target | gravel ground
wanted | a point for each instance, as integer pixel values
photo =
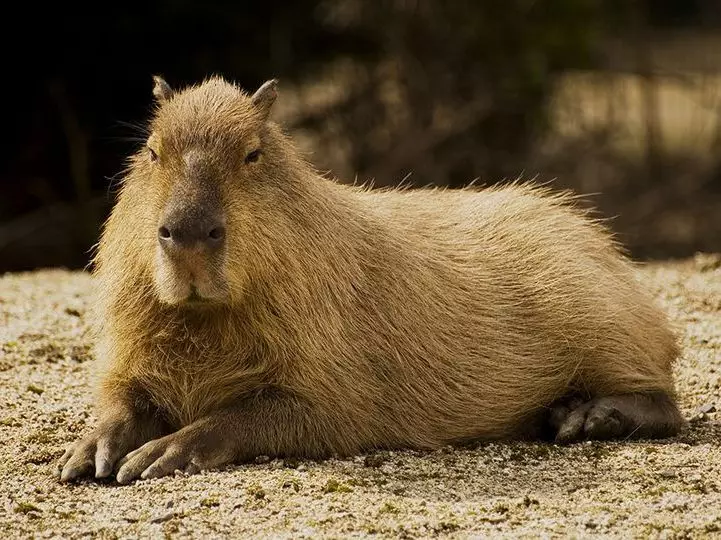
(665, 489)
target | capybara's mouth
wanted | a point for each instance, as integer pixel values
(195, 297)
(189, 281)
(201, 295)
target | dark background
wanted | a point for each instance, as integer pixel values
(619, 98)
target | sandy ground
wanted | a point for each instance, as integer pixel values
(666, 489)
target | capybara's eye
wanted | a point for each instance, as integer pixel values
(153, 154)
(253, 156)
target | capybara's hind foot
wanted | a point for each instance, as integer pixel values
(624, 416)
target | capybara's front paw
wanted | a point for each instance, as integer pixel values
(97, 453)
(187, 451)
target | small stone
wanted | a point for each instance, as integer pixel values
(707, 408)
(163, 517)
(261, 460)
(667, 473)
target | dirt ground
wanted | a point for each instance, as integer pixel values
(664, 489)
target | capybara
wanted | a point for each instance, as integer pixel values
(248, 305)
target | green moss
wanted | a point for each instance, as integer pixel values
(41, 437)
(334, 486)
(292, 483)
(389, 508)
(357, 482)
(26, 508)
(500, 508)
(256, 491)
(210, 502)
(64, 515)
(170, 529)
(698, 487)
(446, 527)
(380, 481)
(35, 389)
(493, 520)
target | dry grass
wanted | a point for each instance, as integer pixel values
(688, 112)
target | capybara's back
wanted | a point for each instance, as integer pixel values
(521, 300)
(250, 306)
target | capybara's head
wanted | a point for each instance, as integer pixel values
(208, 174)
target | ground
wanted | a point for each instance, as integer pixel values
(666, 489)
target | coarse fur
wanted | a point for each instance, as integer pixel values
(389, 318)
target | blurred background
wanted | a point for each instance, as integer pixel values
(619, 99)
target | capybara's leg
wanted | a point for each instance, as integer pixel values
(624, 416)
(271, 423)
(127, 420)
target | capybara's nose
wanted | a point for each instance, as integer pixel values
(190, 231)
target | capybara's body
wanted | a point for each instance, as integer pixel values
(318, 318)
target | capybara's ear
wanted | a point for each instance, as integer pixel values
(264, 97)
(161, 90)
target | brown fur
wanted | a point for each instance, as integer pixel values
(398, 318)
